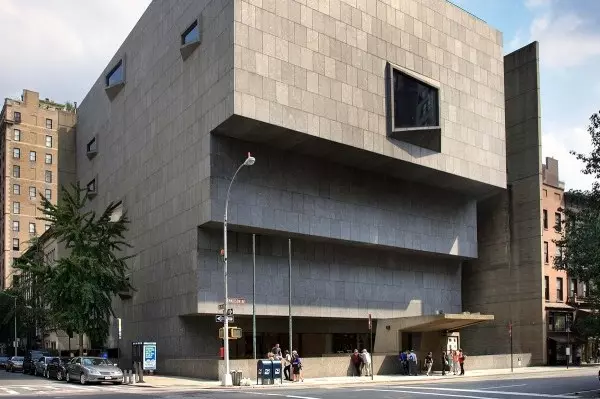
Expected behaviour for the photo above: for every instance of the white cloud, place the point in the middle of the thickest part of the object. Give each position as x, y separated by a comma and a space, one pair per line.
60, 47
557, 144
537, 3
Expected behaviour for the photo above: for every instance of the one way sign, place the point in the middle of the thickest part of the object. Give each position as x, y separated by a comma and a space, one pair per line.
219, 318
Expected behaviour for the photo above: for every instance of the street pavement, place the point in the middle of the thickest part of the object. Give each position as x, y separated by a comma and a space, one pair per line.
582, 383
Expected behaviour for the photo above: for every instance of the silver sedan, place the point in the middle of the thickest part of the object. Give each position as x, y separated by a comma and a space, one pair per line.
93, 369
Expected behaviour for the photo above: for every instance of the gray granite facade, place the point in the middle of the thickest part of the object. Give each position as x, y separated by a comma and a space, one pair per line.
379, 225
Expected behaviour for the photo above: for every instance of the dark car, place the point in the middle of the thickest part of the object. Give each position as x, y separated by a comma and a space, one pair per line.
30, 359
42, 364
15, 363
3, 361
57, 368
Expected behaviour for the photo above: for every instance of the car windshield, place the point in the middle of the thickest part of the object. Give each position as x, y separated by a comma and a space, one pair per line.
17, 358
95, 361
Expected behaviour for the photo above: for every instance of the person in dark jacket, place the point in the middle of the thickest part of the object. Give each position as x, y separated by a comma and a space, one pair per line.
356, 362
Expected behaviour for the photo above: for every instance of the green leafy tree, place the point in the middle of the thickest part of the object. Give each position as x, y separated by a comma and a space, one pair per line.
79, 286
580, 241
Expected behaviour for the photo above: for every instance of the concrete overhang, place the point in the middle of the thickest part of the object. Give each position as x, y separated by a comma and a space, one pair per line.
558, 305
442, 322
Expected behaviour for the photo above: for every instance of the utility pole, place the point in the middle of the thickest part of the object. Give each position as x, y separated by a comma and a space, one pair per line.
290, 292
254, 295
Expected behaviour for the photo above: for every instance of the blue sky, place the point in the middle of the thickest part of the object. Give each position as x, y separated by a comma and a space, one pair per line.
62, 63
569, 35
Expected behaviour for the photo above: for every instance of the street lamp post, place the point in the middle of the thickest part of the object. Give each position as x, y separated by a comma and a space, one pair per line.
15, 298
227, 381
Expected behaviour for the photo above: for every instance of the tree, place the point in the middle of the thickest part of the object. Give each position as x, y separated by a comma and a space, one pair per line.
579, 244
78, 288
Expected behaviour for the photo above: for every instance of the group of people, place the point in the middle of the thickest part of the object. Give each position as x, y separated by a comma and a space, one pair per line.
292, 363
361, 361
452, 361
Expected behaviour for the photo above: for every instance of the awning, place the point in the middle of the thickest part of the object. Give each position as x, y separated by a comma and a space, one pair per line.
564, 339
558, 305
443, 322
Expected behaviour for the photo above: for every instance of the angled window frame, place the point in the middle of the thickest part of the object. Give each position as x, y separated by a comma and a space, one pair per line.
91, 148
428, 137
187, 47
113, 89
93, 191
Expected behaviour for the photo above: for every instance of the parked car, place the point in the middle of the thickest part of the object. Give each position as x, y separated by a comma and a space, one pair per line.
30, 359
93, 369
3, 361
41, 365
15, 363
57, 368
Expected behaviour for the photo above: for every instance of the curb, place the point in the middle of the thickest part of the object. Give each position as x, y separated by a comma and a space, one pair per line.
435, 378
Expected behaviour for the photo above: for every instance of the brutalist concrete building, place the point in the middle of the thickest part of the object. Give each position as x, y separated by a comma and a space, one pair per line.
377, 126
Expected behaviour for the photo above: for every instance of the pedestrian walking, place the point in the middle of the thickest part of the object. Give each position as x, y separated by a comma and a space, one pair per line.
444, 361
365, 358
428, 363
412, 363
461, 361
287, 365
455, 364
356, 362
297, 367
404, 362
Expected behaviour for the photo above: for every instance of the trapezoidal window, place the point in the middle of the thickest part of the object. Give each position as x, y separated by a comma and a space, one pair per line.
414, 110
115, 79
191, 38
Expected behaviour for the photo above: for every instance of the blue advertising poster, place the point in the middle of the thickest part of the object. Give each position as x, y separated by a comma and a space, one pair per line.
149, 356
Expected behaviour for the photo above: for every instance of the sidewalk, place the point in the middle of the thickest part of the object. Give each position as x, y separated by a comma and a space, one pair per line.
190, 383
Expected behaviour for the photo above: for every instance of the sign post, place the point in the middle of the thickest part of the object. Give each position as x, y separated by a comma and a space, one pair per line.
372, 352
511, 345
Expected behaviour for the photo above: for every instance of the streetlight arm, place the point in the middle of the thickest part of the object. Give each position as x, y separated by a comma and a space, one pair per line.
229, 190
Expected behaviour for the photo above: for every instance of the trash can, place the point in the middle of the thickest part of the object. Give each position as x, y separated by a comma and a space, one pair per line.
263, 372
236, 377
277, 371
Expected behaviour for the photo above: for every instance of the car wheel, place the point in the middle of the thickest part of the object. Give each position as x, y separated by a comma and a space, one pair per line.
67, 377
59, 375
47, 374
82, 380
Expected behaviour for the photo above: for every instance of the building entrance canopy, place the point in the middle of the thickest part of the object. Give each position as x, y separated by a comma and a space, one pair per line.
442, 322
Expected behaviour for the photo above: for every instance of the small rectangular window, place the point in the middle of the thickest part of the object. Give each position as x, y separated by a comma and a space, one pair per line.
573, 288
32, 192
92, 148
32, 156
48, 194
92, 190
415, 103
49, 141
545, 193
16, 135
31, 228
191, 34
558, 222
546, 252
48, 159
48, 176
115, 76
16, 171
16, 208
16, 153
17, 117
545, 219
48, 123
16, 226
547, 288
559, 289
16, 189
15, 244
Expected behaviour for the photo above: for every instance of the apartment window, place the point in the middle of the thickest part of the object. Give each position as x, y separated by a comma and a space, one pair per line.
546, 252
16, 171
48, 194
49, 141
15, 244
16, 135
16, 226
32, 156
48, 176
545, 219
16, 153
116, 75
92, 148
545, 192
92, 190
557, 221
558, 252
48, 123
17, 116
559, 321
48, 159
573, 288
16, 189
31, 228
557, 197
16, 207
559, 289
32, 192
191, 34
46, 227
547, 288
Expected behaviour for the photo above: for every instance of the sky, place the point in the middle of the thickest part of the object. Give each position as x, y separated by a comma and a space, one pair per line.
60, 47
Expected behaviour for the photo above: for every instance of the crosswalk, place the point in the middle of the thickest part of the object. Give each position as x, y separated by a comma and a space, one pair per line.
57, 389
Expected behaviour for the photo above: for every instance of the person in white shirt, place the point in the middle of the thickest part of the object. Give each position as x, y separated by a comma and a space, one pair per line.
366, 362
287, 365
